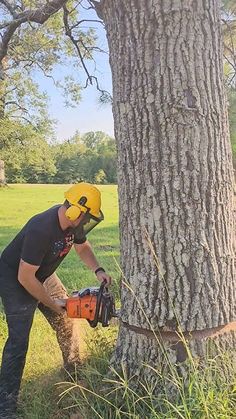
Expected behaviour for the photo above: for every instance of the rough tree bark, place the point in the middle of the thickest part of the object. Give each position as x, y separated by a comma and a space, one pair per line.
175, 177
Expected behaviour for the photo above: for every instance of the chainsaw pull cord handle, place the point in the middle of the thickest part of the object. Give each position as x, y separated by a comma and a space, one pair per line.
94, 322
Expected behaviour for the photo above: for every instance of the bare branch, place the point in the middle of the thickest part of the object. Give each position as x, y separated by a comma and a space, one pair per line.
86, 49
24, 119
74, 42
11, 90
98, 49
86, 8
90, 78
232, 79
49, 76
4, 25
104, 93
95, 3
97, 6
18, 106
229, 61
86, 20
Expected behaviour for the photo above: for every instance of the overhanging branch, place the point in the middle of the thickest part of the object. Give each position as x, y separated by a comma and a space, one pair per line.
74, 42
97, 5
105, 96
38, 16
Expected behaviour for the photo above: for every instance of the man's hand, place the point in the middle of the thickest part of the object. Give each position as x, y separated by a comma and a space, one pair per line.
59, 306
103, 276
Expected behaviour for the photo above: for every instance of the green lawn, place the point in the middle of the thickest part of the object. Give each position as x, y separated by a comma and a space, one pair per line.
39, 395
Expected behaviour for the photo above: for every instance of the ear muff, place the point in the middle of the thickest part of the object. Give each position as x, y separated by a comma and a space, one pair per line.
72, 213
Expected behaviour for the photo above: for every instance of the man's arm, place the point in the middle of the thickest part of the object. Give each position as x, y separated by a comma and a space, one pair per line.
87, 256
27, 278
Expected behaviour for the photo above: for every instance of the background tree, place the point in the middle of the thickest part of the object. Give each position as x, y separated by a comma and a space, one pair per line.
68, 160
90, 157
175, 179
101, 157
27, 155
31, 159
38, 36
229, 37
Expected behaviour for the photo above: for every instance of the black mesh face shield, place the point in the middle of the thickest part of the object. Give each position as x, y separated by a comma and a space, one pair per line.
89, 221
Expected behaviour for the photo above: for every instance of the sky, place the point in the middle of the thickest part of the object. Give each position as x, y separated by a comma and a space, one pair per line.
89, 115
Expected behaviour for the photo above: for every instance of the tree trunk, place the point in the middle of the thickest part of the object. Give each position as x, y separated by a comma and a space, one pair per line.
3, 66
2, 174
175, 178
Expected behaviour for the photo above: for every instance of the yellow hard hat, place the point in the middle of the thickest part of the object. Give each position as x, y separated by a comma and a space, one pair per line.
83, 197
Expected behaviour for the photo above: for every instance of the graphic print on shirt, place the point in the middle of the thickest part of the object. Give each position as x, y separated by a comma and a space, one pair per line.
63, 246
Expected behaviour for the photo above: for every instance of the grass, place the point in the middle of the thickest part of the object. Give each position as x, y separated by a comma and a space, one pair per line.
104, 393
99, 391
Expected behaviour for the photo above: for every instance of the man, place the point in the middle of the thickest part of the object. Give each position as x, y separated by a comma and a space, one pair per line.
31, 260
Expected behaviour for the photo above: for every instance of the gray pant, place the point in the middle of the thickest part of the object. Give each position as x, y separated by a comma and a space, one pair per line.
19, 308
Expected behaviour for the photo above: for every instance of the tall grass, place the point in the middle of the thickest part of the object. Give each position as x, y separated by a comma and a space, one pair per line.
103, 392
187, 390
192, 389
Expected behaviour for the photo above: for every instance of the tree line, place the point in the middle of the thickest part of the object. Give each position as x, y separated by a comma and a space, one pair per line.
29, 158
25, 125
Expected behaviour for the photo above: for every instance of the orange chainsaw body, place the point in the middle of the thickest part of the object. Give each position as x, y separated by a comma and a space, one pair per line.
82, 307
93, 304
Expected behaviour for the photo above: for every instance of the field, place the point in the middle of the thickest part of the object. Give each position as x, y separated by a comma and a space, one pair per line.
48, 393
39, 395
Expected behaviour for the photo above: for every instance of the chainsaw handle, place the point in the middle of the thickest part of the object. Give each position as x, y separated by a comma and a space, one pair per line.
103, 286
94, 322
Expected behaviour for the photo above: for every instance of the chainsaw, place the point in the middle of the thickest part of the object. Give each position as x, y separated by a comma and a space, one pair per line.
95, 304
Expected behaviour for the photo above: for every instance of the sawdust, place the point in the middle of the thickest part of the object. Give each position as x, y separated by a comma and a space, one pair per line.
83, 332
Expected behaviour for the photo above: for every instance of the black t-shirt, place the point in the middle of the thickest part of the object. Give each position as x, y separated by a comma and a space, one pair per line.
43, 243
